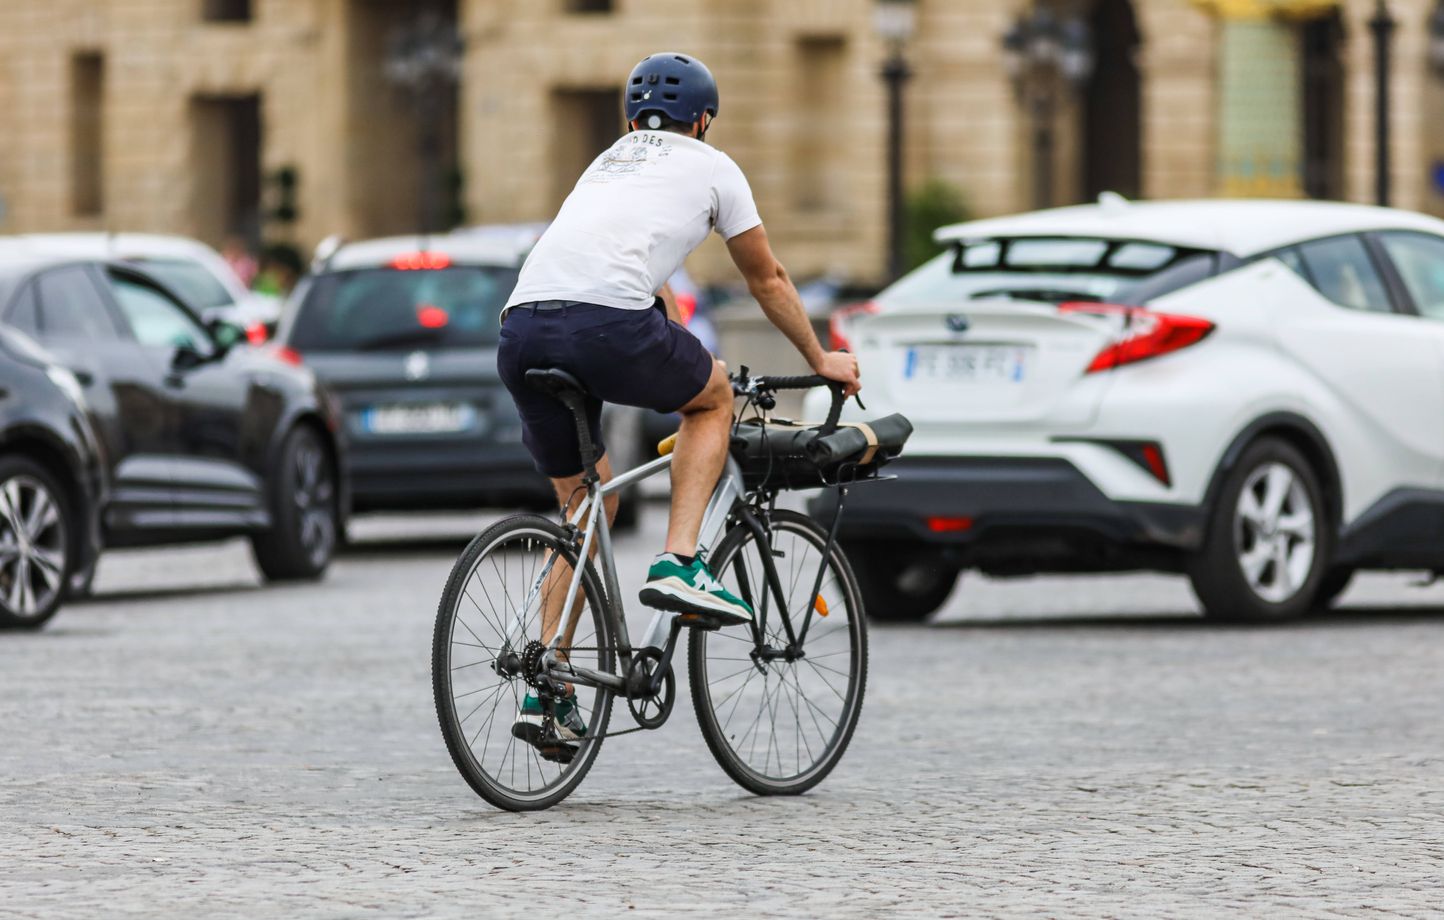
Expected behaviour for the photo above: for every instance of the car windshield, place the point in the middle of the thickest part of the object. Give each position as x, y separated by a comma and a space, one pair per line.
386, 309
1053, 271
191, 280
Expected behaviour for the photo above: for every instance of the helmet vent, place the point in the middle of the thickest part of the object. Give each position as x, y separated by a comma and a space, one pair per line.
669, 97
682, 59
636, 81
673, 81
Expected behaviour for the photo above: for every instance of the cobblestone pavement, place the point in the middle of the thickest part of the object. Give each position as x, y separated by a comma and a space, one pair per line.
191, 744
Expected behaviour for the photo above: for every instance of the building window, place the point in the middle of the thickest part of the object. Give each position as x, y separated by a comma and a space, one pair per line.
586, 122
818, 167
226, 10
226, 168
589, 6
87, 102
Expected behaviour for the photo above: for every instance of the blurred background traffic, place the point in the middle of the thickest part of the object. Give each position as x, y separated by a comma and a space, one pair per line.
252, 253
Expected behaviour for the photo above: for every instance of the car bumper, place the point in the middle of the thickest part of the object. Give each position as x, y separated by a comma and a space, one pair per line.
1013, 513
429, 473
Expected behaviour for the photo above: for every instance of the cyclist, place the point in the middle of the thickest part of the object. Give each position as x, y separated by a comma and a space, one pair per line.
590, 300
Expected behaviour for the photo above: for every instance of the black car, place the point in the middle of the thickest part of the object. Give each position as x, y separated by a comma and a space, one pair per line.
202, 438
51, 483
404, 331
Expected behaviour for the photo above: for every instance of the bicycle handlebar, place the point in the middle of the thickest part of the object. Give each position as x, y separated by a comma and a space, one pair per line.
806, 382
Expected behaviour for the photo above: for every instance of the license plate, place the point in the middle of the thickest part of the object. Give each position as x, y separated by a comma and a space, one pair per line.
993, 364
426, 418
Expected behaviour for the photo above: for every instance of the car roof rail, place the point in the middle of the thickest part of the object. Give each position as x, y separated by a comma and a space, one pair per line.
325, 251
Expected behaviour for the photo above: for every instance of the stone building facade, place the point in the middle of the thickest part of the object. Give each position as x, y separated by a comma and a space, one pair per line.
188, 116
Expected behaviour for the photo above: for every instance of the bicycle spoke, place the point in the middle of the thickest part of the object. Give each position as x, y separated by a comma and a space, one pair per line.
796, 719
497, 605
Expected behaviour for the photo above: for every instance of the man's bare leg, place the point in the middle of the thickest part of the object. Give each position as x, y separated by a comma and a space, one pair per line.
570, 495
698, 458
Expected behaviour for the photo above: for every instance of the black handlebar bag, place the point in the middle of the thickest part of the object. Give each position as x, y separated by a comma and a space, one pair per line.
785, 454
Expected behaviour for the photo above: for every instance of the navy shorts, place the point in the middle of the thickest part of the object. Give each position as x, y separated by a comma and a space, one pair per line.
629, 357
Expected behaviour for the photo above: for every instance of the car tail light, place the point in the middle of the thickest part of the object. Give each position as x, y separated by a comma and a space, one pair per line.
949, 524
421, 261
287, 354
1146, 334
256, 334
842, 318
686, 307
432, 317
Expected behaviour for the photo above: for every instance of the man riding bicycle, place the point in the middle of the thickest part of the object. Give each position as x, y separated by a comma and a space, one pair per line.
587, 302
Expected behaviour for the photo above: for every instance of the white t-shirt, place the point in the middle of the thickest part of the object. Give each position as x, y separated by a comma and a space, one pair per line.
636, 213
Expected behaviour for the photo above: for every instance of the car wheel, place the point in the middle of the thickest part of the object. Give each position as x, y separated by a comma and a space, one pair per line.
1268, 536
302, 536
1334, 584
899, 585
35, 557
82, 581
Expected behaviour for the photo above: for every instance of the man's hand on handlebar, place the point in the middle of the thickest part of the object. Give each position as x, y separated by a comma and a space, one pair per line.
842, 367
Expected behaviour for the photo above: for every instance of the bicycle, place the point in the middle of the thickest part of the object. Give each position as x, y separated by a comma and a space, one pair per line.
783, 669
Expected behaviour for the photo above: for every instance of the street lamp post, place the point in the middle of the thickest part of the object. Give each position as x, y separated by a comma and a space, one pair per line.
1044, 57
1382, 25
895, 21
424, 62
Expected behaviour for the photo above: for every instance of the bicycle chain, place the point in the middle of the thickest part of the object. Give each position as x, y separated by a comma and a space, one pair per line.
603, 735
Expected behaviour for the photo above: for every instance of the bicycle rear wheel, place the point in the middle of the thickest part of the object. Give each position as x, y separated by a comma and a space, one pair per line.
490, 611
779, 726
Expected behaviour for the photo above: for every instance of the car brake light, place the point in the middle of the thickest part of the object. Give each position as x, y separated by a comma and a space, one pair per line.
686, 307
1146, 334
432, 317
287, 354
256, 334
842, 318
949, 524
421, 261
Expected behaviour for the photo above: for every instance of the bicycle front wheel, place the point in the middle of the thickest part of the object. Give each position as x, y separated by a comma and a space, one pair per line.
491, 611
777, 710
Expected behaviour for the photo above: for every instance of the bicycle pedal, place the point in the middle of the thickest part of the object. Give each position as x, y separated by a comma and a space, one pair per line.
698, 621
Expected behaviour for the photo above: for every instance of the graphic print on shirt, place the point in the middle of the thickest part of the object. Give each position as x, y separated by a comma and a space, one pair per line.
629, 155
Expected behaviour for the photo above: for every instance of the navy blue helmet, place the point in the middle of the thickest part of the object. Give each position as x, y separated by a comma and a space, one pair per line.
678, 86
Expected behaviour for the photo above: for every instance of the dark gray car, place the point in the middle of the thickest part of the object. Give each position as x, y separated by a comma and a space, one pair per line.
404, 332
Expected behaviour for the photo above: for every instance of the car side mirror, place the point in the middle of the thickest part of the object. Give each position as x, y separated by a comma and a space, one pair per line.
226, 335
187, 357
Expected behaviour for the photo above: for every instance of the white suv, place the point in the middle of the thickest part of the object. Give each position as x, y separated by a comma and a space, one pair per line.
1250, 392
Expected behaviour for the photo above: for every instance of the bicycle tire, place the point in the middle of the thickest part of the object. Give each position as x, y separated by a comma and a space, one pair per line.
547, 535
722, 740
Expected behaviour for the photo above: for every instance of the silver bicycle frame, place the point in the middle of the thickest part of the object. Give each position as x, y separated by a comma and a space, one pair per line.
589, 518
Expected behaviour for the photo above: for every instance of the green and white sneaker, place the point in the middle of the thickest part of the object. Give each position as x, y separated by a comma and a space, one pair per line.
557, 738
692, 591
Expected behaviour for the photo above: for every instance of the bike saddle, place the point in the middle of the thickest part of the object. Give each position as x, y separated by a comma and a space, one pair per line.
556, 383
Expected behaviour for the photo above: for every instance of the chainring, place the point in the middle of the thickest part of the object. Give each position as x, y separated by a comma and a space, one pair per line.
531, 665
650, 710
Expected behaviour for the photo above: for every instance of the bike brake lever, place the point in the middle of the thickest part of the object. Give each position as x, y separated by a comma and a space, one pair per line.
857, 397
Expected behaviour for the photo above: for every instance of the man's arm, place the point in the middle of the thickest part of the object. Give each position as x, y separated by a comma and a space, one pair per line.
768, 282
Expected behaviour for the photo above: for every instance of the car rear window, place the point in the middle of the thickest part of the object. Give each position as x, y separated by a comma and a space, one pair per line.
1054, 270
387, 309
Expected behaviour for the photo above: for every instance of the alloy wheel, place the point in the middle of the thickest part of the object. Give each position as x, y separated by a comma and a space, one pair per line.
313, 496
1274, 532
32, 546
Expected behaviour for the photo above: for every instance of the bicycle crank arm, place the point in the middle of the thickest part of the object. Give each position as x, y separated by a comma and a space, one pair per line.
586, 677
